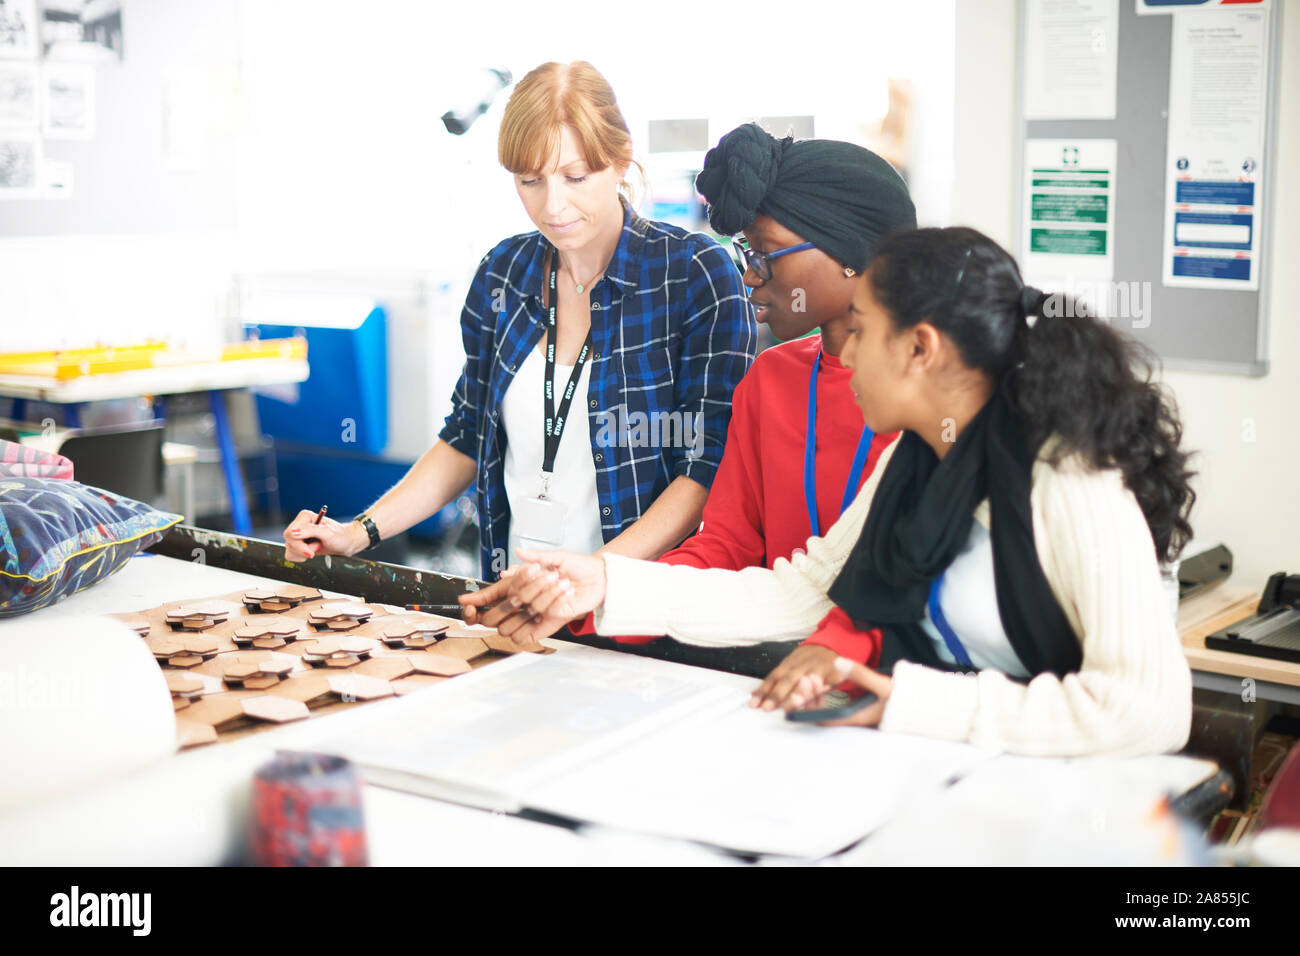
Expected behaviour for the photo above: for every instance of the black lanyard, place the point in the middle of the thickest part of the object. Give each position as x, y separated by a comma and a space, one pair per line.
555, 419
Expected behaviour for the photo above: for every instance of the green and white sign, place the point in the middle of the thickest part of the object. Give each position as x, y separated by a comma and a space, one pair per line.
1069, 206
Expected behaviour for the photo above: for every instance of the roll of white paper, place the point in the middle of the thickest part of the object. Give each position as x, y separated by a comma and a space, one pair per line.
81, 700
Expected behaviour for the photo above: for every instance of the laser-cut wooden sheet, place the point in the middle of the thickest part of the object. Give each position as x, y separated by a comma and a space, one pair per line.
252, 659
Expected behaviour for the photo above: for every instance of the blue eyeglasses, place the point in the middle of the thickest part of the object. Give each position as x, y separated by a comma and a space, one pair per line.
761, 262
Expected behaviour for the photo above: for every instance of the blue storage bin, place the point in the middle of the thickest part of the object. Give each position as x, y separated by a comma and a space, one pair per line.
343, 405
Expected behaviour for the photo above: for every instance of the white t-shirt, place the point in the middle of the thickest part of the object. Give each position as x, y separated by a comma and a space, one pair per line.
968, 598
573, 484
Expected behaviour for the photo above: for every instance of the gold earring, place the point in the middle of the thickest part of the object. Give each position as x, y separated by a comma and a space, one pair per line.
849, 273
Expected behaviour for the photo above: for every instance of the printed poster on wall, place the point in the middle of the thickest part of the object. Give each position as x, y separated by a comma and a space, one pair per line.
1147, 7
1214, 165
18, 29
19, 95
20, 164
69, 101
1068, 234
1070, 59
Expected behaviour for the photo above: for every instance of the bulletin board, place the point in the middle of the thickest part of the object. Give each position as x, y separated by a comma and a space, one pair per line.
1222, 330
158, 157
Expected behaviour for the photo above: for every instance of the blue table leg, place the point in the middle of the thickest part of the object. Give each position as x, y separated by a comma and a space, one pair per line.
72, 415
19, 410
230, 466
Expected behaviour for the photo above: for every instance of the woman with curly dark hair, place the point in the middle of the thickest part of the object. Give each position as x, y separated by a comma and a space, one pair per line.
1008, 547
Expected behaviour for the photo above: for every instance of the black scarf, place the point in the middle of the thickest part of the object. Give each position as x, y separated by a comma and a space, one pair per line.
919, 520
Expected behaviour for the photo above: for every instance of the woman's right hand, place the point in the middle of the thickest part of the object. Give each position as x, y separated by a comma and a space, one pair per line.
328, 537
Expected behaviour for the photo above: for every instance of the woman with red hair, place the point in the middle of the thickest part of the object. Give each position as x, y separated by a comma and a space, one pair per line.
601, 351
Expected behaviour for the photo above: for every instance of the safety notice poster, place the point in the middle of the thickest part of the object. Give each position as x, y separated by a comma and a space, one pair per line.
1215, 160
1068, 234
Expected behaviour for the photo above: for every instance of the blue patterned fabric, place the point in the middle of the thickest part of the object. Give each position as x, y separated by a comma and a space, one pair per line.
672, 334
61, 536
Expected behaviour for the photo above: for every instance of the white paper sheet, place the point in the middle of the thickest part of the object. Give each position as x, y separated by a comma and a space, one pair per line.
1070, 61
56, 178
1035, 811
737, 778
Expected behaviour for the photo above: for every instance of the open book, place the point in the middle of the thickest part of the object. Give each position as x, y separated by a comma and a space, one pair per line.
647, 746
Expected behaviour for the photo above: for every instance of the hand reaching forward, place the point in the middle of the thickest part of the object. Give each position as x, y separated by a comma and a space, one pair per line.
535, 599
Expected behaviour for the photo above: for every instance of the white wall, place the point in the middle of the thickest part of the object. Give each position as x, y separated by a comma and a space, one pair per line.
343, 169
984, 118
77, 291
345, 163
144, 247
1244, 429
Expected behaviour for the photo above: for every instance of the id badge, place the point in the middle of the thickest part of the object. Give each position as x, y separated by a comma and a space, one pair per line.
541, 520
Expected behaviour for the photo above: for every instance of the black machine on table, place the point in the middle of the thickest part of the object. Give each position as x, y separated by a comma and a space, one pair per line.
1274, 630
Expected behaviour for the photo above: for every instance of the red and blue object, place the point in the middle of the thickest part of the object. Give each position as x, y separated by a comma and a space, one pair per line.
307, 812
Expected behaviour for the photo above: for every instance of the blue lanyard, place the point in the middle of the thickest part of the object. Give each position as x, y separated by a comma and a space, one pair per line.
810, 456
955, 646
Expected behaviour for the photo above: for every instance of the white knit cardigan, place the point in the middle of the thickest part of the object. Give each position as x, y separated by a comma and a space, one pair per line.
1132, 694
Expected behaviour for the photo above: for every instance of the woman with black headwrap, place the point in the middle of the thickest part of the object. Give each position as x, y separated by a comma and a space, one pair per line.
1008, 544
811, 212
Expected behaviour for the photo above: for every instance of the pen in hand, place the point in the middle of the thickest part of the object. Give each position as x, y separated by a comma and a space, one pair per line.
320, 514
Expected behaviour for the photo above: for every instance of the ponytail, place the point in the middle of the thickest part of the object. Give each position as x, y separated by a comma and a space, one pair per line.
1075, 378
1092, 386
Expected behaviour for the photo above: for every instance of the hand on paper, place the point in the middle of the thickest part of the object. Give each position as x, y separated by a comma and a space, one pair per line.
304, 539
809, 672
535, 599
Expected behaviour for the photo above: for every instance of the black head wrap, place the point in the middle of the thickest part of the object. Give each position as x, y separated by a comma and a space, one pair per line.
839, 196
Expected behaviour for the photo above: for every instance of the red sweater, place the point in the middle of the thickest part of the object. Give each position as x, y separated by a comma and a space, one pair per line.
756, 511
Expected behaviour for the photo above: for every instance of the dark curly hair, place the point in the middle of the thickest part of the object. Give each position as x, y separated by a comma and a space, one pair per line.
1075, 377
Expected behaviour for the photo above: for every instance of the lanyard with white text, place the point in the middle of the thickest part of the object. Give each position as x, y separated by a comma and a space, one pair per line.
554, 420
810, 456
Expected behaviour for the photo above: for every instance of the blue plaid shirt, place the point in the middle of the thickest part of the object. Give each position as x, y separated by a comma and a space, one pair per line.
672, 332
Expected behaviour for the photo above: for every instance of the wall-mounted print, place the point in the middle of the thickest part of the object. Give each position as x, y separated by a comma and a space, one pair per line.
85, 30
69, 101
20, 160
18, 25
18, 99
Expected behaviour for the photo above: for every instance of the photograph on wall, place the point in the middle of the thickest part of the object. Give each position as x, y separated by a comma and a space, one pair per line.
69, 101
20, 160
18, 28
18, 99
86, 30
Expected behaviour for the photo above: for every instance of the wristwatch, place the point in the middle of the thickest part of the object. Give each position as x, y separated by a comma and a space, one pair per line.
373, 532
